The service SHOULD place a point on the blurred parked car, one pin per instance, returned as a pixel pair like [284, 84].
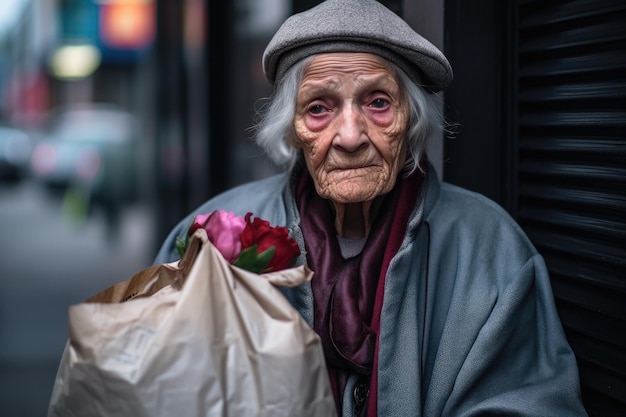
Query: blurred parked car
[15, 149]
[91, 148]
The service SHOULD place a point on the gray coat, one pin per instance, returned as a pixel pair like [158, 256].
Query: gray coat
[468, 323]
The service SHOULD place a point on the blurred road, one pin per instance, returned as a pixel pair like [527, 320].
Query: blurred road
[48, 263]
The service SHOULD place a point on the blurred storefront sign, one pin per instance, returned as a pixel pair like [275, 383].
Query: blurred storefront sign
[79, 20]
[74, 61]
[126, 28]
[126, 24]
[95, 32]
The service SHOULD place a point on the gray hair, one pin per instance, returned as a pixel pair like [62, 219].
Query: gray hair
[276, 119]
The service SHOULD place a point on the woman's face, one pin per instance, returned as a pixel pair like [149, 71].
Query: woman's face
[351, 119]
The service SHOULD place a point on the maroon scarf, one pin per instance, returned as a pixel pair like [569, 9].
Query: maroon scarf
[347, 293]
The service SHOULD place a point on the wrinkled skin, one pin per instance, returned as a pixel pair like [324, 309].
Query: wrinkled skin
[351, 120]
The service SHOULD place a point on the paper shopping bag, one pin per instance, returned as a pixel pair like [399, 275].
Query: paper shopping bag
[197, 338]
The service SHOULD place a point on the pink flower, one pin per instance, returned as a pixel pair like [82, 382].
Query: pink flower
[224, 230]
[249, 244]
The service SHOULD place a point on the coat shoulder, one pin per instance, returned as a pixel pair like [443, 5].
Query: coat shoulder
[472, 220]
[466, 207]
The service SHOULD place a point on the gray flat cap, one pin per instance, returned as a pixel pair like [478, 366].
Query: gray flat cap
[356, 26]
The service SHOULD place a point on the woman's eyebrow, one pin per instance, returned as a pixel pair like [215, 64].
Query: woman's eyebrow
[315, 87]
[386, 80]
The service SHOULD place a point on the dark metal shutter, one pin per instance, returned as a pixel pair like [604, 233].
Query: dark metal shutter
[571, 132]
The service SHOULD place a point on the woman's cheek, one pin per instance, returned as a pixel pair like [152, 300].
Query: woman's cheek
[382, 119]
[397, 125]
[316, 123]
[305, 136]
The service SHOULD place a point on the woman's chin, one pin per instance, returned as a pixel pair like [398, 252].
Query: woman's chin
[354, 186]
[352, 194]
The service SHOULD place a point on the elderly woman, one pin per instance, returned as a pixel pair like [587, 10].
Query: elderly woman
[429, 299]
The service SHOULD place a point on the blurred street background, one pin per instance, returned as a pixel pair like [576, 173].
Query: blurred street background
[105, 144]
[49, 262]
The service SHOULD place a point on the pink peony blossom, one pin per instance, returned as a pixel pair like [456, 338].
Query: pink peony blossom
[224, 230]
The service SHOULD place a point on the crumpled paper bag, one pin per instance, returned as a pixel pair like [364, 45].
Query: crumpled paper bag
[195, 338]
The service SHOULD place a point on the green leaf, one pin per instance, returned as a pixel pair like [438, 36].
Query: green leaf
[181, 246]
[255, 262]
[264, 258]
[247, 257]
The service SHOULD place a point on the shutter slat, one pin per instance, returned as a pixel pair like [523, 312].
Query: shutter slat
[558, 93]
[586, 199]
[588, 36]
[568, 145]
[574, 119]
[605, 381]
[610, 330]
[578, 247]
[574, 171]
[585, 294]
[601, 61]
[557, 12]
[571, 166]
[581, 223]
[595, 266]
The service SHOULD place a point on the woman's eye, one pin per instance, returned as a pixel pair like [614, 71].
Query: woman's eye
[379, 103]
[317, 109]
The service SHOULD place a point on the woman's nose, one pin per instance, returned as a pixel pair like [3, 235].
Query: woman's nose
[351, 133]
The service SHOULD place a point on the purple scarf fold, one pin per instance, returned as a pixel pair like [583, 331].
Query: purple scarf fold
[344, 290]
